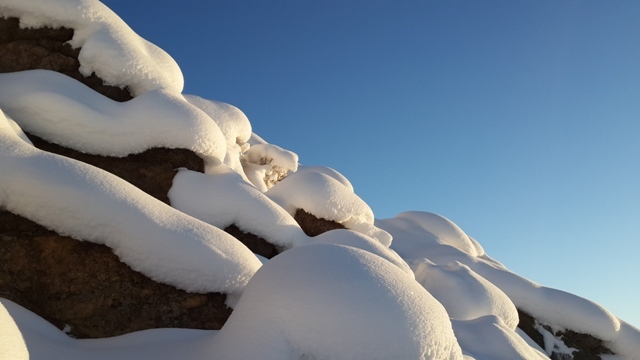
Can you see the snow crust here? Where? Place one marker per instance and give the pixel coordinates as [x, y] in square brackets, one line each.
[87, 203]
[335, 302]
[110, 49]
[65, 111]
[327, 198]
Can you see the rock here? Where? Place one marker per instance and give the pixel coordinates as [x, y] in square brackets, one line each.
[151, 171]
[47, 48]
[588, 347]
[255, 243]
[83, 287]
[314, 226]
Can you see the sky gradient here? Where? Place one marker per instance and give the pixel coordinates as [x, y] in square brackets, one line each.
[518, 121]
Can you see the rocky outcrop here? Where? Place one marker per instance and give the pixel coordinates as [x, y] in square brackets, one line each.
[151, 171]
[47, 48]
[83, 288]
[314, 226]
[80, 286]
[587, 347]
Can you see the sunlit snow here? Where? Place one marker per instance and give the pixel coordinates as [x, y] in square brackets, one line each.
[412, 287]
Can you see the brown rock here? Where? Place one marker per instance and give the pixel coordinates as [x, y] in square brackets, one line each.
[314, 226]
[84, 286]
[151, 171]
[588, 347]
[47, 48]
[255, 243]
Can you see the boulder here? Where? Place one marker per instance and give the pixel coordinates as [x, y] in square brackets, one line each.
[587, 347]
[79, 286]
[314, 226]
[84, 289]
[47, 48]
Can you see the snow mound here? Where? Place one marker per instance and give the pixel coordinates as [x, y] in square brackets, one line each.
[12, 345]
[553, 307]
[232, 121]
[110, 49]
[65, 111]
[488, 337]
[465, 294]
[327, 198]
[627, 343]
[329, 172]
[234, 125]
[18, 130]
[44, 341]
[442, 229]
[335, 302]
[363, 242]
[225, 199]
[76, 199]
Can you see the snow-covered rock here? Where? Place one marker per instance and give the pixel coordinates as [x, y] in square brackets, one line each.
[335, 302]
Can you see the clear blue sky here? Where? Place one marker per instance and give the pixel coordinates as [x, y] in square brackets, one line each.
[519, 121]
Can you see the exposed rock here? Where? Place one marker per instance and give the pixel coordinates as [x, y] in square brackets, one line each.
[84, 287]
[527, 324]
[47, 48]
[255, 243]
[314, 226]
[151, 171]
[587, 347]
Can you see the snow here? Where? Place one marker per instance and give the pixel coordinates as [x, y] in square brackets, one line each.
[109, 48]
[225, 199]
[234, 125]
[87, 203]
[431, 293]
[329, 172]
[335, 302]
[440, 228]
[553, 344]
[266, 164]
[627, 343]
[12, 344]
[417, 240]
[325, 197]
[66, 112]
[44, 341]
[363, 242]
[453, 284]
[488, 337]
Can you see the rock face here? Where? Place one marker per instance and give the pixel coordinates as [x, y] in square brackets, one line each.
[587, 347]
[46, 48]
[76, 285]
[314, 226]
[83, 287]
[255, 243]
[151, 171]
